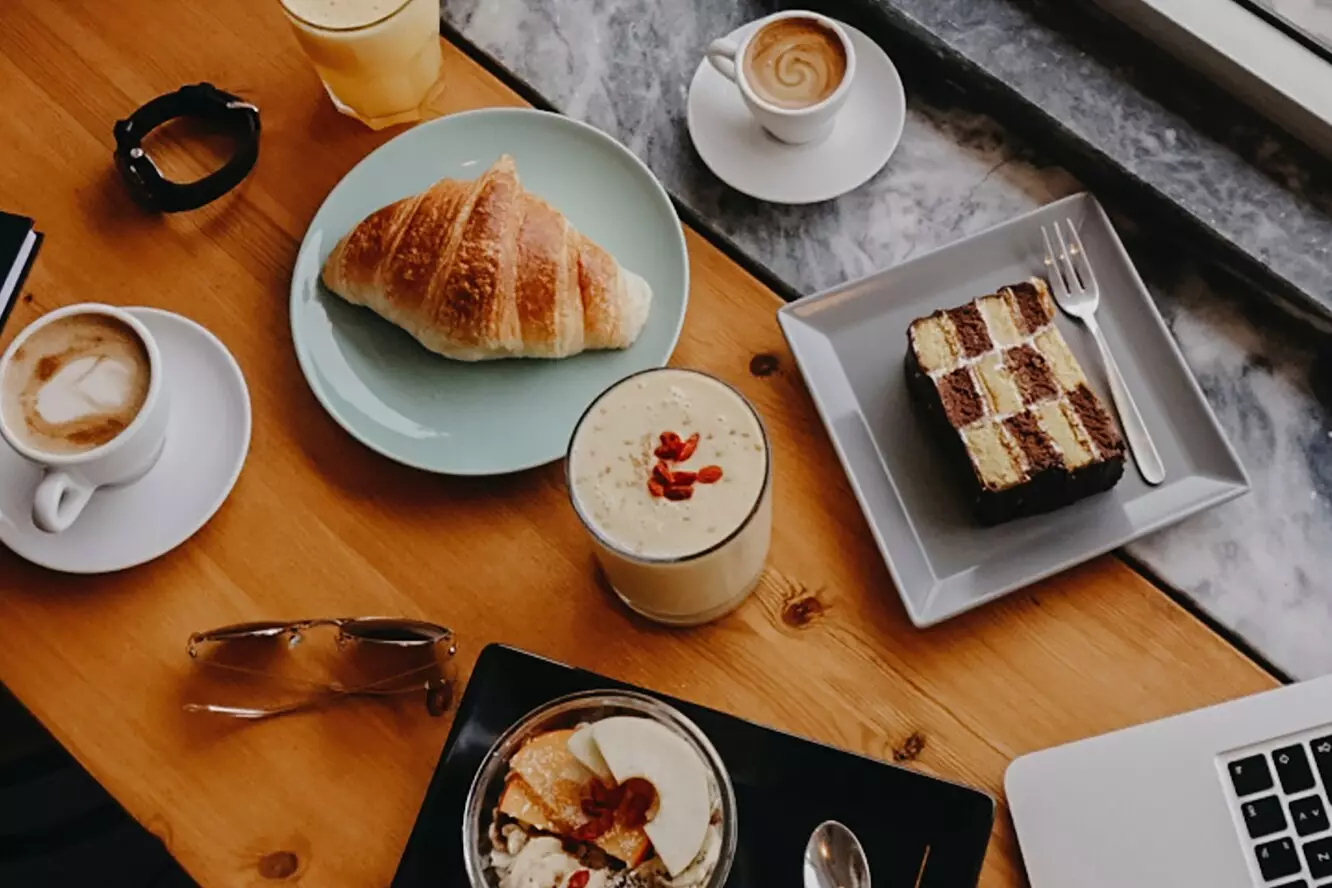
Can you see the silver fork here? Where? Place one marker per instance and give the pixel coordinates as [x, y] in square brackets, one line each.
[1075, 289]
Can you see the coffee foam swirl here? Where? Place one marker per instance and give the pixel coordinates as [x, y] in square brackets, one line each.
[85, 387]
[794, 63]
[75, 384]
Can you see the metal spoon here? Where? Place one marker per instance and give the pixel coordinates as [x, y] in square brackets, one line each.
[834, 858]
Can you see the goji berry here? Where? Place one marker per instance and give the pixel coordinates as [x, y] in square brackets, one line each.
[662, 473]
[688, 449]
[709, 474]
[670, 446]
[638, 798]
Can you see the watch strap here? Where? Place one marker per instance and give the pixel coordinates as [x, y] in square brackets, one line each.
[200, 100]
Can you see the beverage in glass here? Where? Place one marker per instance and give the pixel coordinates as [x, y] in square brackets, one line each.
[379, 59]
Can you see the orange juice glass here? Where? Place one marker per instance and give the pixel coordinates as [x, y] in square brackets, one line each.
[379, 59]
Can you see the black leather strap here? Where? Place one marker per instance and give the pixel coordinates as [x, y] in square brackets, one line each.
[203, 100]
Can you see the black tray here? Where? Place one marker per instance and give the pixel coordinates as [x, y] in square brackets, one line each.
[784, 787]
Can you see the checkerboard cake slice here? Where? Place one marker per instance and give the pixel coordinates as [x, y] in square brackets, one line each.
[1012, 404]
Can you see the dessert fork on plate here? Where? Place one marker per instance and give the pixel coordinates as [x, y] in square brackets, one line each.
[1075, 290]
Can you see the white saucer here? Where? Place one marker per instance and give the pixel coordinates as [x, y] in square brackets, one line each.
[744, 156]
[207, 440]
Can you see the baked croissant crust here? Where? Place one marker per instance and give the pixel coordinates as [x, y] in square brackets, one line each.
[484, 269]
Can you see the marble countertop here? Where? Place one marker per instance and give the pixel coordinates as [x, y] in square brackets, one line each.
[1255, 565]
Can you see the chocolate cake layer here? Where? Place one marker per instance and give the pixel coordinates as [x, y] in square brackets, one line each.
[972, 333]
[961, 402]
[1011, 404]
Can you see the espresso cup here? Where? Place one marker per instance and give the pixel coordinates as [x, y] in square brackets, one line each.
[785, 71]
[57, 367]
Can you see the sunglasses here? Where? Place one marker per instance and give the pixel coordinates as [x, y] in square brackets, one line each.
[429, 646]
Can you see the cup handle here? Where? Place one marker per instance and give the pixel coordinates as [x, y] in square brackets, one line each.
[721, 53]
[59, 501]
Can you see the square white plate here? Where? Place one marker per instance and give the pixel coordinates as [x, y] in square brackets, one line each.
[850, 344]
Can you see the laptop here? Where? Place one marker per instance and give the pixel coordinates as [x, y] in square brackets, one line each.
[1233, 796]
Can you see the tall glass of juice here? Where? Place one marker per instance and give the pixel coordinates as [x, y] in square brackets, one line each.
[378, 59]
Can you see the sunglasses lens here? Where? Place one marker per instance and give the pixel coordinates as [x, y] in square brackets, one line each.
[245, 630]
[238, 631]
[396, 632]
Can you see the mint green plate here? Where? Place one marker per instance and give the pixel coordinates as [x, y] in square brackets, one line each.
[488, 418]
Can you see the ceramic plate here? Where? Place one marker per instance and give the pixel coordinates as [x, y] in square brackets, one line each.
[850, 344]
[486, 418]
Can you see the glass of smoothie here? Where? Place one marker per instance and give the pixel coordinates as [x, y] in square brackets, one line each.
[670, 472]
[379, 60]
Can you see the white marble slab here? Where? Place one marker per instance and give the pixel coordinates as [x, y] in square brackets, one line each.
[1260, 565]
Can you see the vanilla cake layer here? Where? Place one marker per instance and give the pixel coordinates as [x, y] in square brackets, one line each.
[1013, 404]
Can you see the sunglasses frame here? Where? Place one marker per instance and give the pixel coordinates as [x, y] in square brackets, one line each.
[431, 633]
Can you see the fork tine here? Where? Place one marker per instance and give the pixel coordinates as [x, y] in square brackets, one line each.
[1084, 264]
[1074, 283]
[1056, 276]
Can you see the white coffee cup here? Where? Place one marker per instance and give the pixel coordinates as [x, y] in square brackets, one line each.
[72, 478]
[793, 125]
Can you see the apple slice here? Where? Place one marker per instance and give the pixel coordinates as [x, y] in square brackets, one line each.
[555, 777]
[584, 748]
[642, 748]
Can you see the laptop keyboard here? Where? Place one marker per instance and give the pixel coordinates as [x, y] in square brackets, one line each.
[1283, 799]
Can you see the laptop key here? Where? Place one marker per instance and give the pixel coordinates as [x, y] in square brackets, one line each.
[1322, 754]
[1308, 815]
[1278, 858]
[1319, 855]
[1292, 767]
[1264, 816]
[1250, 775]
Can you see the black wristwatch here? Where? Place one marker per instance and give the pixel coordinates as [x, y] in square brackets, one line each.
[146, 183]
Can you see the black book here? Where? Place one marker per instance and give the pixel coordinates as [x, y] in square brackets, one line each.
[18, 248]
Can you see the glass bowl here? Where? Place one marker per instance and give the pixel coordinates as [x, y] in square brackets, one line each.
[566, 712]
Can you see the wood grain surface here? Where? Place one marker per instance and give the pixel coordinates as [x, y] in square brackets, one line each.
[318, 525]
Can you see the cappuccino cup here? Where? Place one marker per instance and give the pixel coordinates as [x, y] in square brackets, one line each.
[82, 394]
[794, 72]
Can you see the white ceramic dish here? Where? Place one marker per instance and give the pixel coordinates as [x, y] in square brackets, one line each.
[850, 344]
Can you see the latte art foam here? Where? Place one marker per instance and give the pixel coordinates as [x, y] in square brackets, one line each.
[75, 384]
[795, 63]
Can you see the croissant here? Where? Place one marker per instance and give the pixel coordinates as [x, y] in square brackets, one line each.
[483, 269]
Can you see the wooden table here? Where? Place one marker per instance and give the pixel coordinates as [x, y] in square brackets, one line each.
[318, 525]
